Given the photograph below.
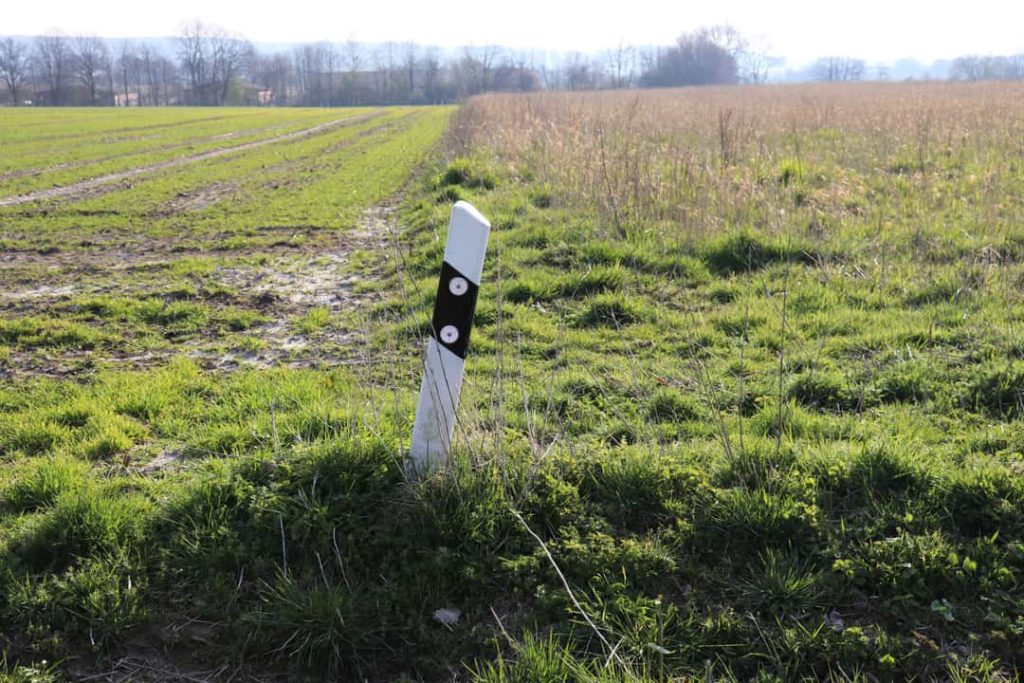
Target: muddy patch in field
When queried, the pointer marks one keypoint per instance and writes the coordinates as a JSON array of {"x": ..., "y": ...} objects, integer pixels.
[
  {"x": 287, "y": 289},
  {"x": 166, "y": 459},
  {"x": 306, "y": 301},
  {"x": 37, "y": 293},
  {"x": 31, "y": 298},
  {"x": 198, "y": 199},
  {"x": 116, "y": 250},
  {"x": 291, "y": 284}
]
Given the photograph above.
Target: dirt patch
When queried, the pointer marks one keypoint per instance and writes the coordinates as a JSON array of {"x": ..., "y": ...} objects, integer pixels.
[
  {"x": 45, "y": 293},
  {"x": 118, "y": 250},
  {"x": 165, "y": 653},
  {"x": 297, "y": 283},
  {"x": 289, "y": 287},
  {"x": 164, "y": 460},
  {"x": 107, "y": 183},
  {"x": 199, "y": 199},
  {"x": 279, "y": 283}
]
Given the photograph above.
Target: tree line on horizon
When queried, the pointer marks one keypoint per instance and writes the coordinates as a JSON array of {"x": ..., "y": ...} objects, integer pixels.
[{"x": 212, "y": 66}]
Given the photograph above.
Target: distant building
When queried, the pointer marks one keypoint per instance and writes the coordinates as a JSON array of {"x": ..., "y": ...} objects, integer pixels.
[{"x": 126, "y": 99}]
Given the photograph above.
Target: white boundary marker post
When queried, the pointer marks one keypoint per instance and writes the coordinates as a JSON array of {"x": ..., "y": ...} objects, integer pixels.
[{"x": 449, "y": 338}]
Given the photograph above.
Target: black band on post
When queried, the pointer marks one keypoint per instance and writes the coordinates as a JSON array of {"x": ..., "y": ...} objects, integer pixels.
[{"x": 453, "y": 310}]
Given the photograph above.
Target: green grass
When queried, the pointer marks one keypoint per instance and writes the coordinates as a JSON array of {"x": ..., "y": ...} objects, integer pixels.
[
  {"x": 313, "y": 320},
  {"x": 774, "y": 436}
]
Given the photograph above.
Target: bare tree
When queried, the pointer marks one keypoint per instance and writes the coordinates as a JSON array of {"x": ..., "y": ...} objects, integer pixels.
[
  {"x": 353, "y": 60},
  {"x": 474, "y": 71},
  {"x": 149, "y": 68},
  {"x": 194, "y": 62},
  {"x": 838, "y": 69},
  {"x": 514, "y": 73},
  {"x": 468, "y": 75},
  {"x": 1015, "y": 66},
  {"x": 388, "y": 66},
  {"x": 967, "y": 68},
  {"x": 758, "y": 65},
  {"x": 271, "y": 73},
  {"x": 695, "y": 59},
  {"x": 579, "y": 73},
  {"x": 91, "y": 56},
  {"x": 647, "y": 59},
  {"x": 488, "y": 57},
  {"x": 431, "y": 76},
  {"x": 756, "y": 62},
  {"x": 518, "y": 72},
  {"x": 331, "y": 62},
  {"x": 753, "y": 61},
  {"x": 302, "y": 59},
  {"x": 309, "y": 67},
  {"x": 53, "y": 58},
  {"x": 14, "y": 67},
  {"x": 227, "y": 58},
  {"x": 212, "y": 58},
  {"x": 726, "y": 37},
  {"x": 620, "y": 63},
  {"x": 409, "y": 64},
  {"x": 168, "y": 78},
  {"x": 128, "y": 70},
  {"x": 982, "y": 68},
  {"x": 548, "y": 75},
  {"x": 109, "y": 69},
  {"x": 315, "y": 65}
]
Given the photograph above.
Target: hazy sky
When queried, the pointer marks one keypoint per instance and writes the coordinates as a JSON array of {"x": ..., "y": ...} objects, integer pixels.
[{"x": 800, "y": 30}]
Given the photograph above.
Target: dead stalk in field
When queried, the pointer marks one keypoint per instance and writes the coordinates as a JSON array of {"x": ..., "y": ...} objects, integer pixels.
[
  {"x": 568, "y": 589},
  {"x": 782, "y": 361}
]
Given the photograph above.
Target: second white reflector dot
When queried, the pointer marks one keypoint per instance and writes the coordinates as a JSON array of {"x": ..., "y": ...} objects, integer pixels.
[{"x": 449, "y": 334}]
